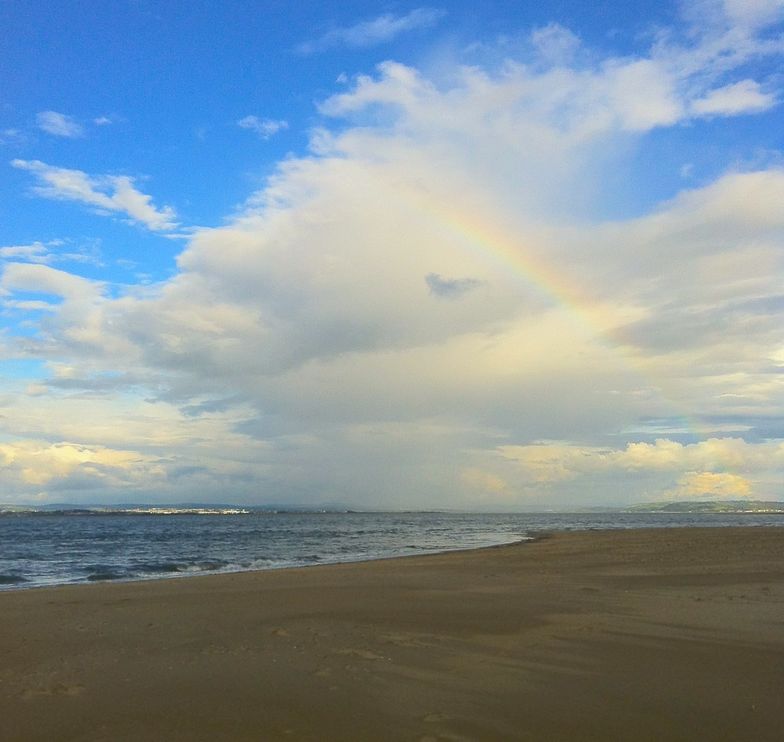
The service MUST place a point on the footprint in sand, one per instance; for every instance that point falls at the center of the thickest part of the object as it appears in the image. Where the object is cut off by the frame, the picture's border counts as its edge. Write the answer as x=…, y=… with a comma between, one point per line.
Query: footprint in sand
x=364, y=654
x=444, y=737
x=434, y=718
x=406, y=640
x=57, y=689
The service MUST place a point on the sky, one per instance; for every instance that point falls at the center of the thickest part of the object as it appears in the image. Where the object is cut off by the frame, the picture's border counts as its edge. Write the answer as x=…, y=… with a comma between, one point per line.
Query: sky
x=508, y=256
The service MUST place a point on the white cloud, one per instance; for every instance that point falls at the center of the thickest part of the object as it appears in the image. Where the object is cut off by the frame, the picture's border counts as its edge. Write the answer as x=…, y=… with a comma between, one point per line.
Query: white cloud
x=59, y=124
x=53, y=251
x=712, y=484
x=379, y=30
x=12, y=137
x=46, y=280
x=36, y=252
x=716, y=467
x=740, y=97
x=303, y=349
x=484, y=485
x=752, y=14
x=82, y=455
x=555, y=44
x=643, y=94
x=265, y=128
x=33, y=463
x=107, y=193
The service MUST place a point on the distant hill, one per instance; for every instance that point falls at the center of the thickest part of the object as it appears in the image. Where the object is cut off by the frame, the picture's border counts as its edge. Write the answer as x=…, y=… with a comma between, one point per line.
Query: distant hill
x=710, y=506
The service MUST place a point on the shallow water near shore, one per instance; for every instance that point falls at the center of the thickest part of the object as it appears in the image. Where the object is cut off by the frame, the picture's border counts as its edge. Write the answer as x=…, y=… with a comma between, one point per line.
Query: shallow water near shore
x=40, y=550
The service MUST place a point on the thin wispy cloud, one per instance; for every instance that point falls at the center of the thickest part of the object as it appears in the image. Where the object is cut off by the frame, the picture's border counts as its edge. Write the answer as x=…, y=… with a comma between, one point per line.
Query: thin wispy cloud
x=53, y=251
x=264, y=127
x=741, y=97
x=372, y=32
x=12, y=136
x=59, y=125
x=107, y=193
x=751, y=14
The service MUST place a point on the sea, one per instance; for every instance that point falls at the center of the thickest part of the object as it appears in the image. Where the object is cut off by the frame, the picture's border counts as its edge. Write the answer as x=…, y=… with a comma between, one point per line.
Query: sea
x=45, y=549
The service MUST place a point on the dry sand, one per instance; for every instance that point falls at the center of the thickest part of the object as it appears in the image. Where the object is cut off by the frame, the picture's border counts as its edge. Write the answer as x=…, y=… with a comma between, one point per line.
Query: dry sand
x=630, y=635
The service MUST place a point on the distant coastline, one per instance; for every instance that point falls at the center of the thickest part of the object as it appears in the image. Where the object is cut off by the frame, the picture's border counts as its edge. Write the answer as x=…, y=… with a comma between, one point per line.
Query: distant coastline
x=142, y=510
x=710, y=506
x=664, y=507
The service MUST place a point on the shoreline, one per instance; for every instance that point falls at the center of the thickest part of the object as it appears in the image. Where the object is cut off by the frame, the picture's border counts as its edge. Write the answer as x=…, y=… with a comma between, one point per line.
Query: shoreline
x=158, y=577
x=665, y=634
x=532, y=534
x=83, y=551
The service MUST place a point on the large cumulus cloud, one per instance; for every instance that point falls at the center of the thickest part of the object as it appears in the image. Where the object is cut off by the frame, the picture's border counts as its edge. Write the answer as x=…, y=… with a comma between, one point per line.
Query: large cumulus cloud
x=402, y=316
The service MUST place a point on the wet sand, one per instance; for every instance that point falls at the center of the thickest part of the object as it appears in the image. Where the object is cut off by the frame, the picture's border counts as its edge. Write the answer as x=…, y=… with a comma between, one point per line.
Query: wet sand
x=631, y=635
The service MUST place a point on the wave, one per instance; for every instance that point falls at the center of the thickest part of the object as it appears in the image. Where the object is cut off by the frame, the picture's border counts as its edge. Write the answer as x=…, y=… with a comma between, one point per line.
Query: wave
x=11, y=579
x=159, y=567
x=102, y=576
x=204, y=565
x=146, y=570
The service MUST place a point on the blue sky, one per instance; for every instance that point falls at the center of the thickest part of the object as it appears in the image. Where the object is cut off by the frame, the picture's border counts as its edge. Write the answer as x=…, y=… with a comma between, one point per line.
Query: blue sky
x=391, y=254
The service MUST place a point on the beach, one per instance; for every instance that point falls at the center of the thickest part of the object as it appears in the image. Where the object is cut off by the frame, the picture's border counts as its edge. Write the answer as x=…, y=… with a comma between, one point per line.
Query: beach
x=658, y=634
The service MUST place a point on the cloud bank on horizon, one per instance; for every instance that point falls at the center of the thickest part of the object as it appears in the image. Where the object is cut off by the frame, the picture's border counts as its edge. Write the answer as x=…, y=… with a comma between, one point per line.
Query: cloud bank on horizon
x=455, y=268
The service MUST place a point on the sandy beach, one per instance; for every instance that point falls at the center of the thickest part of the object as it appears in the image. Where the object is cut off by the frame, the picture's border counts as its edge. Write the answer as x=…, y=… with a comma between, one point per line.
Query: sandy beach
x=630, y=635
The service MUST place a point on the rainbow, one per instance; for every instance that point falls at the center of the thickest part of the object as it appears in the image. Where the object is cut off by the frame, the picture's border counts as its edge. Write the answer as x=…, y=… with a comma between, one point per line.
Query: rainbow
x=596, y=321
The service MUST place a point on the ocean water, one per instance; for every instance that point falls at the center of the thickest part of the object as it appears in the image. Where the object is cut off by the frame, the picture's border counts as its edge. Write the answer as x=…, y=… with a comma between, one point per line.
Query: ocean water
x=56, y=549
